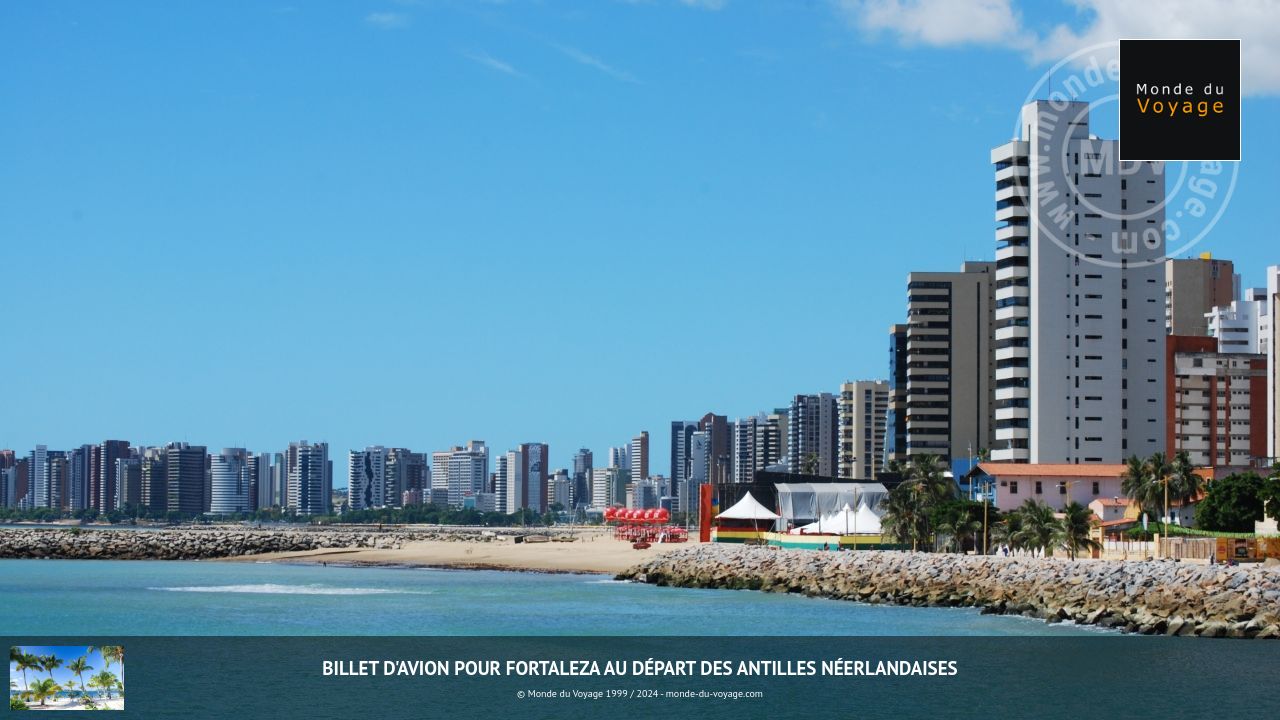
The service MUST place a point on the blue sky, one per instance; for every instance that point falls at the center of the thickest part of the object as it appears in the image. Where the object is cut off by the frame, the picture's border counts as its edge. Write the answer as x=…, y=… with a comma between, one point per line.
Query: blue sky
x=416, y=223
x=61, y=675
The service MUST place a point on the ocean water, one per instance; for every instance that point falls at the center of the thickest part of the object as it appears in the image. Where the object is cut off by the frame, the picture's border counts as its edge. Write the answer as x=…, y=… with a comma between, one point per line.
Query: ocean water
x=106, y=597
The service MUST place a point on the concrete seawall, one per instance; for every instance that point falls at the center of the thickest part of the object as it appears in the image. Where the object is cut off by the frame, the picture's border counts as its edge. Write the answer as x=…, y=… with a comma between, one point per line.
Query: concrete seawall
x=1159, y=597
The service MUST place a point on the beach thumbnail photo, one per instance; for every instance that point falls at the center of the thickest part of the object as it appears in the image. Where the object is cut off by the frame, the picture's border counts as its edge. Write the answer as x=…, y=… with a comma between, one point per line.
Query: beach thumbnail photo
x=66, y=677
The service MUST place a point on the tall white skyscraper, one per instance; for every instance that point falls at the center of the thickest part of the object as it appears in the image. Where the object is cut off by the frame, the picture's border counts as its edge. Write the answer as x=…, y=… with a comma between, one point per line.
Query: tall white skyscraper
x=230, y=479
x=460, y=471
x=310, y=478
x=367, y=478
x=1079, y=294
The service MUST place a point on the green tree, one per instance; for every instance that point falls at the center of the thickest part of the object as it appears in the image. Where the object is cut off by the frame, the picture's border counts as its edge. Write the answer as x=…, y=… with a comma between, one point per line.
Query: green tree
x=1232, y=503
x=49, y=663
x=1074, y=529
x=105, y=680
x=79, y=667
x=1039, y=528
x=42, y=690
x=23, y=662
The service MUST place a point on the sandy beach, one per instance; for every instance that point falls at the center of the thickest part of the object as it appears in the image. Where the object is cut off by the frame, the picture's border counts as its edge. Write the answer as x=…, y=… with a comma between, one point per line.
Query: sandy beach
x=593, y=552
x=76, y=704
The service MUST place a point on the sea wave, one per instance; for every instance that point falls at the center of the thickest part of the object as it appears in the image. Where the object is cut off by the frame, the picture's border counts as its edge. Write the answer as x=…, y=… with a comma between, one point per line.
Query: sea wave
x=277, y=589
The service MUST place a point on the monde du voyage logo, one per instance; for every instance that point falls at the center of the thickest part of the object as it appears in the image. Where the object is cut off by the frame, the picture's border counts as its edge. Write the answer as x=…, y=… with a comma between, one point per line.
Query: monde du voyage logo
x=1180, y=100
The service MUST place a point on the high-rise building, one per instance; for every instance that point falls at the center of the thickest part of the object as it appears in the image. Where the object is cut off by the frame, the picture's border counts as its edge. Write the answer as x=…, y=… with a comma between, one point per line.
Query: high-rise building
x=895, y=423
x=603, y=481
x=1079, y=301
x=757, y=444
x=129, y=484
x=700, y=463
x=230, y=480
x=155, y=480
x=639, y=456
x=863, y=407
x=42, y=489
x=186, y=467
x=1273, y=362
x=1193, y=287
x=107, y=495
x=950, y=363
x=526, y=478
x=720, y=447
x=581, y=477
x=498, y=484
x=560, y=490
x=460, y=472
x=1244, y=326
x=406, y=471
x=310, y=478
x=813, y=445
x=620, y=457
x=1216, y=401
x=79, y=478
x=681, y=432
x=367, y=478
x=8, y=478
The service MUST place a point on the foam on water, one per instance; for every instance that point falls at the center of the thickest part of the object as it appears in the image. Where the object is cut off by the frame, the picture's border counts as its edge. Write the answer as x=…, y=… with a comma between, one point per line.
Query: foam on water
x=277, y=589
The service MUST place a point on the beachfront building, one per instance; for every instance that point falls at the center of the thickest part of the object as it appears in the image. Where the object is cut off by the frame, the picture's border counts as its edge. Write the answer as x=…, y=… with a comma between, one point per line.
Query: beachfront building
x=757, y=444
x=951, y=348
x=1192, y=288
x=638, y=456
x=1055, y=484
x=367, y=478
x=230, y=480
x=525, y=479
x=460, y=472
x=813, y=435
x=682, y=448
x=186, y=474
x=1244, y=326
x=1273, y=363
x=581, y=477
x=310, y=478
x=1079, y=295
x=863, y=407
x=895, y=422
x=104, y=492
x=1216, y=401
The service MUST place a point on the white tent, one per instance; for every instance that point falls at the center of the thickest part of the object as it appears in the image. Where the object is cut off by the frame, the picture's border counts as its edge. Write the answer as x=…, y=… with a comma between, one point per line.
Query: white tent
x=748, y=508
x=802, y=502
x=845, y=522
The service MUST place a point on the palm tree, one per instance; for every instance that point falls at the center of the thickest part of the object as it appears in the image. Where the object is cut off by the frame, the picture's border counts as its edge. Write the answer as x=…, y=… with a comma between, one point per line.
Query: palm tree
x=910, y=502
x=1008, y=532
x=49, y=663
x=79, y=667
x=105, y=680
x=1181, y=483
x=43, y=690
x=961, y=526
x=24, y=662
x=1074, y=528
x=1039, y=526
x=110, y=654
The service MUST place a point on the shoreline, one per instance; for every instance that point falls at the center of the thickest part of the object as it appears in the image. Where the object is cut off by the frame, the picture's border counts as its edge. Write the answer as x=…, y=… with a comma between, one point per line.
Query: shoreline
x=1146, y=597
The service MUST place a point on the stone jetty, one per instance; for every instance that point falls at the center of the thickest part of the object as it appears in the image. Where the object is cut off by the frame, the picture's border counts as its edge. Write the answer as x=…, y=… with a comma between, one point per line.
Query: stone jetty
x=1150, y=597
x=197, y=543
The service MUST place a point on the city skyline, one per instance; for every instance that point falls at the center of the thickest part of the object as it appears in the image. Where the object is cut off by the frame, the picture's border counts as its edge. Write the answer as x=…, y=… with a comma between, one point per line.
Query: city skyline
x=144, y=263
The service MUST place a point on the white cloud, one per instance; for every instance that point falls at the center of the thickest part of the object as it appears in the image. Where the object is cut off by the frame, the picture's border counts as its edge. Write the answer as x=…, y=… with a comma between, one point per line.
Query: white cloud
x=387, y=20
x=583, y=58
x=1255, y=22
x=997, y=22
x=493, y=63
x=937, y=22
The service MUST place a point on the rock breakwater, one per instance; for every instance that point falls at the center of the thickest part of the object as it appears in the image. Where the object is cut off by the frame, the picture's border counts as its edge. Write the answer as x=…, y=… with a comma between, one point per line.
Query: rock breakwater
x=1150, y=597
x=199, y=543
